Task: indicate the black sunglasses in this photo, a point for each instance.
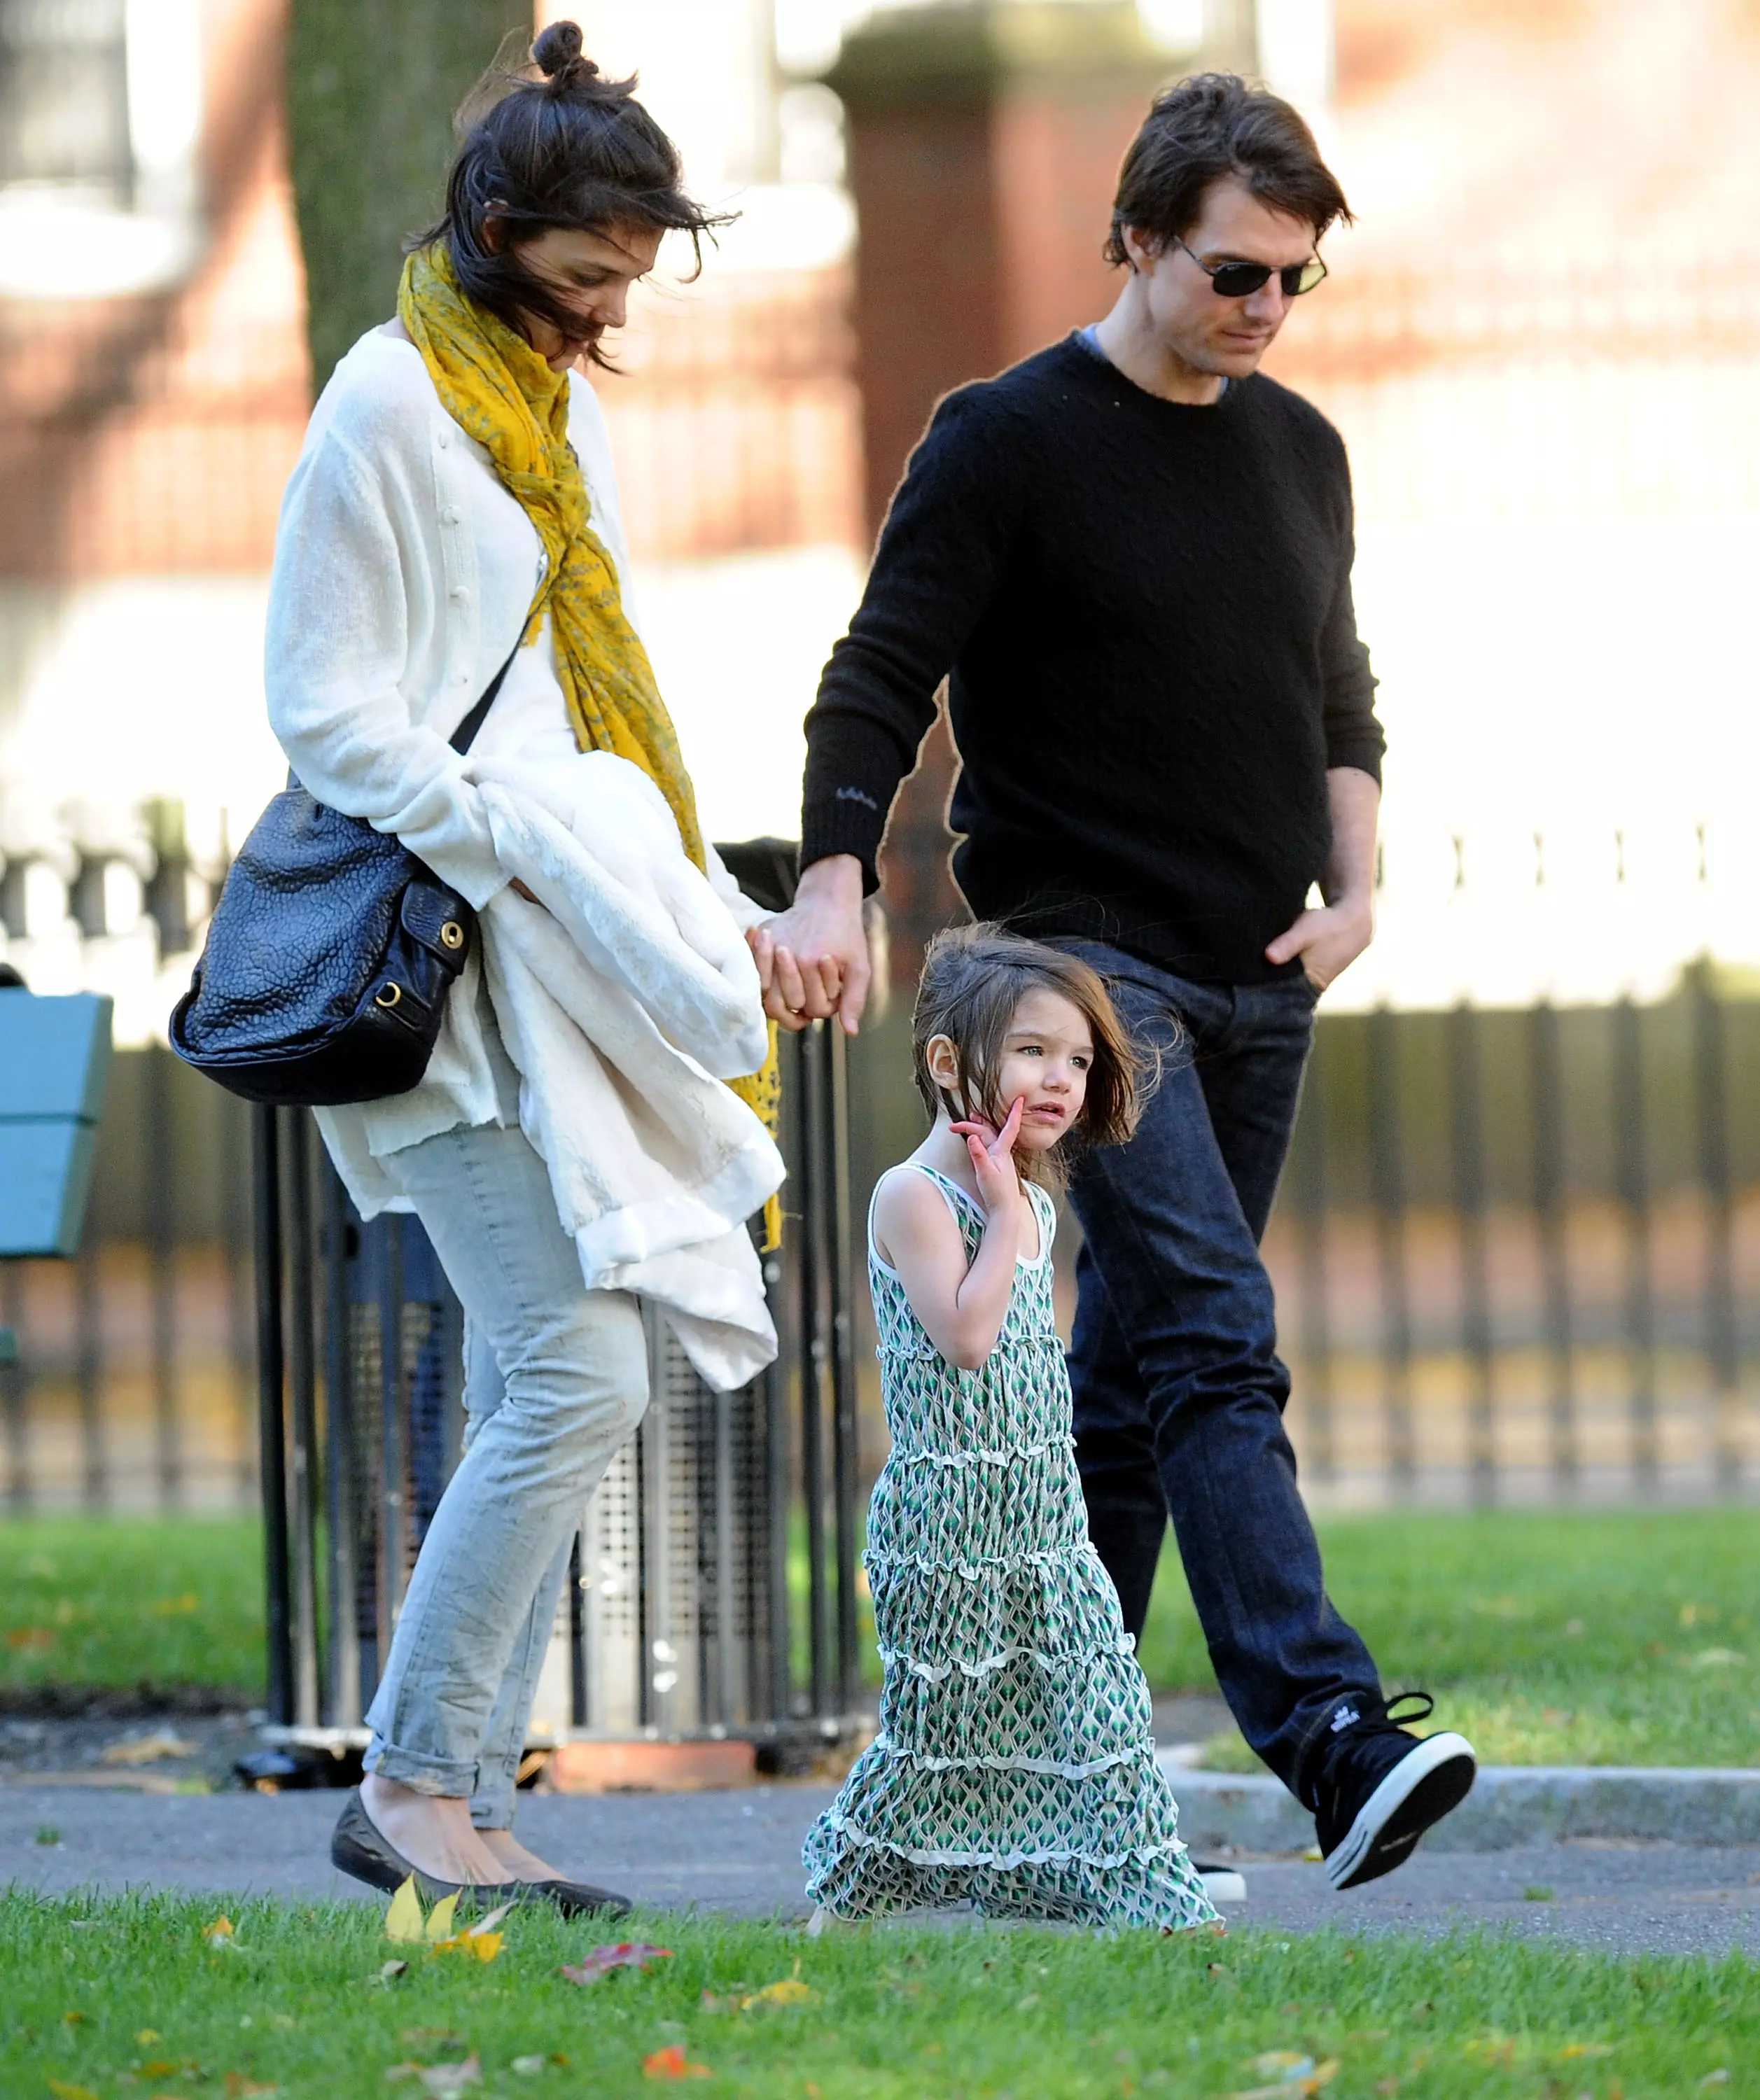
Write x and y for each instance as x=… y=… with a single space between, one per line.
x=1240 y=281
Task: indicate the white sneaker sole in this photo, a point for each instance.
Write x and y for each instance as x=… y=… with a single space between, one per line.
x=1427 y=1783
x=1222 y=1885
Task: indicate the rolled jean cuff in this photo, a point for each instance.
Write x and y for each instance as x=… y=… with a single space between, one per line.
x=432 y=1776
x=491 y=1810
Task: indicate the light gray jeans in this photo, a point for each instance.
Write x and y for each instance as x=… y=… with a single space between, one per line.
x=556 y=1379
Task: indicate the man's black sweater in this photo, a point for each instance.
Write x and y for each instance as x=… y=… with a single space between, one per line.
x=1145 y=608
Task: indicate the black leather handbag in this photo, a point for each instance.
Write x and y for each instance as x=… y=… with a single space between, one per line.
x=324 y=977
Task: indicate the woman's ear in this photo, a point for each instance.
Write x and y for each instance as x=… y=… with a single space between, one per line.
x=494 y=232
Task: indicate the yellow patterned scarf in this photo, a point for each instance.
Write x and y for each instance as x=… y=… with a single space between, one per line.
x=497 y=389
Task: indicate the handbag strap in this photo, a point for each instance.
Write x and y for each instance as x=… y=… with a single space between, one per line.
x=464 y=735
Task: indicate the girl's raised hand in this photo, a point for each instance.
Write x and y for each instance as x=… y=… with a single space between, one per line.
x=992 y=1151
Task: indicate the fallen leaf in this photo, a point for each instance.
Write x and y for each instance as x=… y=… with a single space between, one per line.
x=73 y=2020
x=159 y=2067
x=478 y=1946
x=1719 y=2077
x=27 y=1637
x=1285 y=2063
x=171 y=1608
x=599 y=1961
x=1299 y=2075
x=403 y=1921
x=792 y=1991
x=1584 y=2048
x=238 y=2087
x=528 y=2067
x=63 y=2091
x=147 y=2035
x=442 y=2080
x=220 y=1934
x=671 y=2063
x=389 y=1971
x=148 y=1749
x=439 y=1924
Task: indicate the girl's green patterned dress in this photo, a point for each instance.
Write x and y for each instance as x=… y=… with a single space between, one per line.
x=1014 y=1769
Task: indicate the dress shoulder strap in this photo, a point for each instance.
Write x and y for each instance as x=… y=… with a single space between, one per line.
x=951 y=1194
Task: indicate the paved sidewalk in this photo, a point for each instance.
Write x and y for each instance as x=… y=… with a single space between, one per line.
x=739 y=1852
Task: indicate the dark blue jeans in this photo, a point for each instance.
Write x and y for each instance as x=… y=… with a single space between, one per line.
x=1179 y=1388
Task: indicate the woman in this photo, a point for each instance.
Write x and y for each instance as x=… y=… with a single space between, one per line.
x=454 y=516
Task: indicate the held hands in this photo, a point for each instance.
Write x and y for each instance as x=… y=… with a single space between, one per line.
x=992 y=1155
x=813 y=959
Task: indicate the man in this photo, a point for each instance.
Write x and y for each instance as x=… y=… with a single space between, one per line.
x=1132 y=553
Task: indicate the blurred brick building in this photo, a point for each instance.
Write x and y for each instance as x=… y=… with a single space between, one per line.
x=1539 y=341
x=154 y=386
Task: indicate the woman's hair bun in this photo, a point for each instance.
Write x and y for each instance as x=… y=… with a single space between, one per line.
x=557 y=55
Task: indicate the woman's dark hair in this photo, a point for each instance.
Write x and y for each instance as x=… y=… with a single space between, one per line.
x=974 y=978
x=1205 y=130
x=570 y=149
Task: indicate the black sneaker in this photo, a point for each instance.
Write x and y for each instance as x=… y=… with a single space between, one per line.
x=1381 y=1789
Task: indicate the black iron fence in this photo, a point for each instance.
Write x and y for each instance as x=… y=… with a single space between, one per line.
x=714 y=1585
x=1517 y=1254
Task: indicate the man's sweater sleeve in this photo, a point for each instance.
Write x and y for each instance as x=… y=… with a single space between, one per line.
x=942 y=549
x=1354 y=736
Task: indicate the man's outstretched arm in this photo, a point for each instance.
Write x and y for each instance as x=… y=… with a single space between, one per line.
x=943 y=545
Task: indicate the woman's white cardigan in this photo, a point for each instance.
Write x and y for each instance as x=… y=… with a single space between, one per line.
x=403 y=570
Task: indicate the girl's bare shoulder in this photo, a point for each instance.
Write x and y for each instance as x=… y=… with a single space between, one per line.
x=910 y=1208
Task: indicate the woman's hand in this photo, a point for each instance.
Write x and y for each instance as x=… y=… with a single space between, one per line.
x=992 y=1154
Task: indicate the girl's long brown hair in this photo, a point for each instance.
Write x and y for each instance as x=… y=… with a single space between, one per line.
x=974 y=978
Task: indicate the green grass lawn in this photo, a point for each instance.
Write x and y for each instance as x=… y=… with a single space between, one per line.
x=128 y=1997
x=123 y=1601
x=1602 y=1638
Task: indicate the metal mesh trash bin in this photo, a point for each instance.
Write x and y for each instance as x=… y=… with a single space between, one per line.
x=678 y=1621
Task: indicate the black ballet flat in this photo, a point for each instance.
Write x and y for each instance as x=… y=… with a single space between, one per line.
x=580 y=1899
x=358 y=1847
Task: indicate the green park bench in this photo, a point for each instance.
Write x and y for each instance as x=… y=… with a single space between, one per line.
x=54 y=1065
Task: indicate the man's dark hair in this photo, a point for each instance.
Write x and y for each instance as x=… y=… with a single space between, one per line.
x=571 y=149
x=1205 y=130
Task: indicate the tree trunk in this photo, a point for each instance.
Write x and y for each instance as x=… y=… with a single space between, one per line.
x=372 y=86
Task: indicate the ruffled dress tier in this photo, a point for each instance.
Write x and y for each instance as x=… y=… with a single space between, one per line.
x=1014 y=1769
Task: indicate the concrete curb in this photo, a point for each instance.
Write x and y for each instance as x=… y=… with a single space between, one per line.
x=1509 y=1805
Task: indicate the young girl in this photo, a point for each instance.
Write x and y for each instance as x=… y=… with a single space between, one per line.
x=1014 y=1768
